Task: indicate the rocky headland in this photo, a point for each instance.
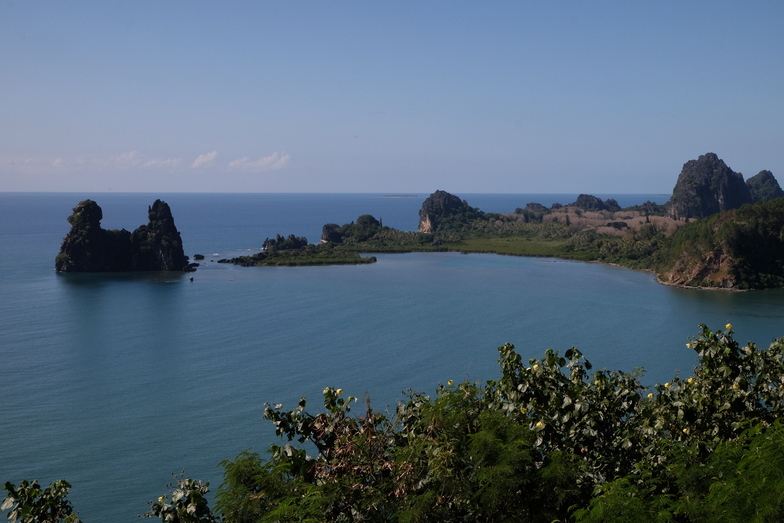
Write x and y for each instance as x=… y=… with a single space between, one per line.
x=737 y=249
x=716 y=231
x=156 y=246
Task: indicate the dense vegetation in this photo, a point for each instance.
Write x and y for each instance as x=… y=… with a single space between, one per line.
x=365 y=228
x=308 y=254
x=751 y=239
x=764 y=186
x=279 y=243
x=550 y=440
x=741 y=249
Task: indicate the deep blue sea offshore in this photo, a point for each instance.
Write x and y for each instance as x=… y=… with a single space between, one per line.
x=115 y=382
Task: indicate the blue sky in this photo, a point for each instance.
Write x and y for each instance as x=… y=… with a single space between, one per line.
x=350 y=96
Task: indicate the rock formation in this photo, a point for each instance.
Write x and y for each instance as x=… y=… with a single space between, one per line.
x=441 y=206
x=281 y=243
x=362 y=230
x=156 y=246
x=763 y=187
x=707 y=186
x=710 y=269
x=592 y=203
x=535 y=207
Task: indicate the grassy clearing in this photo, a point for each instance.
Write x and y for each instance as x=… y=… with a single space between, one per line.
x=518 y=246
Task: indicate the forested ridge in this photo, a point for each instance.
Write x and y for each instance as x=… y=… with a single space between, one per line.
x=550 y=440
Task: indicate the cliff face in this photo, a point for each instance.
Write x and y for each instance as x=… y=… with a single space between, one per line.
x=441 y=206
x=156 y=246
x=707 y=186
x=713 y=268
x=741 y=248
x=763 y=187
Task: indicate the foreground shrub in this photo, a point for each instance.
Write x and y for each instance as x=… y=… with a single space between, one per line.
x=549 y=440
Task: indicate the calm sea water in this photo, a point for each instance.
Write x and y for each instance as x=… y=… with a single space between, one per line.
x=114 y=382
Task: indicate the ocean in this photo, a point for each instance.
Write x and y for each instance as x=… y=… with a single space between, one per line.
x=115 y=382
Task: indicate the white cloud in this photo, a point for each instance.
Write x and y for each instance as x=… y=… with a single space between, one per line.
x=204 y=159
x=88 y=164
x=11 y=162
x=171 y=163
x=136 y=159
x=266 y=163
x=129 y=159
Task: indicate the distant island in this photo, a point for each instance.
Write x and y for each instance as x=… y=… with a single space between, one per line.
x=156 y=246
x=717 y=231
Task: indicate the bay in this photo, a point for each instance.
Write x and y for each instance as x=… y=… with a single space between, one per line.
x=114 y=382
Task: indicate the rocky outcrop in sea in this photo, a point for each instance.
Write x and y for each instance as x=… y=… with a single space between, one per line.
x=156 y=246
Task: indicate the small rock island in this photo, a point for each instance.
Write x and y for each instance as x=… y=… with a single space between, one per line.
x=156 y=246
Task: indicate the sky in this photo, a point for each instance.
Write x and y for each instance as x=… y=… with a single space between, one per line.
x=550 y=96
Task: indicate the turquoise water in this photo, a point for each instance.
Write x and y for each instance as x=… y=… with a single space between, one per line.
x=114 y=382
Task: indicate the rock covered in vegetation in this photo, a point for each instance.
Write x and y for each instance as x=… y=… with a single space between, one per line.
x=737 y=249
x=592 y=203
x=650 y=208
x=707 y=186
x=442 y=206
x=156 y=246
x=764 y=186
x=363 y=229
x=533 y=212
x=279 y=243
x=535 y=207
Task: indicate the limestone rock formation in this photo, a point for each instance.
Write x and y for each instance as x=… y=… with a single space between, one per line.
x=592 y=203
x=156 y=246
x=442 y=206
x=707 y=186
x=763 y=187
